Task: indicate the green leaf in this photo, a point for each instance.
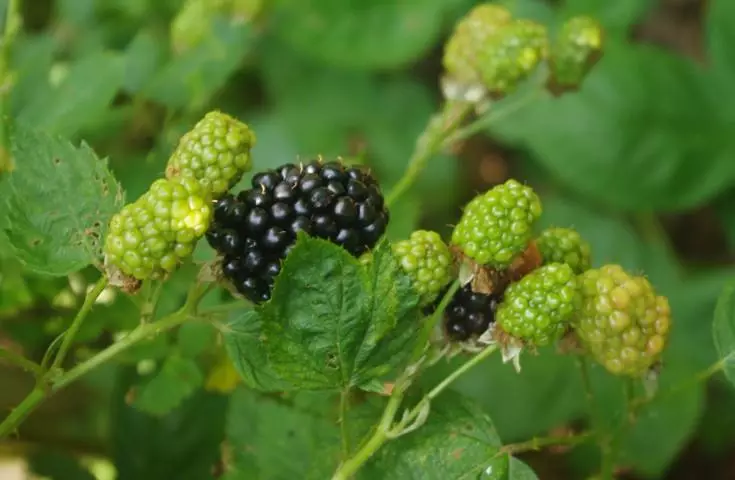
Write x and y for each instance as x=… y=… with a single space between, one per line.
x=184 y=444
x=285 y=437
x=616 y=17
x=332 y=323
x=195 y=338
x=457 y=441
x=188 y=81
x=639 y=150
x=84 y=94
x=720 y=31
x=58 y=202
x=177 y=380
x=520 y=471
x=362 y=33
x=56 y=465
x=664 y=427
x=143 y=58
x=723 y=329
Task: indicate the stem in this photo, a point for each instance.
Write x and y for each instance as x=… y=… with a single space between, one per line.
x=430 y=143
x=12 y=26
x=380 y=435
x=344 y=398
x=494 y=116
x=71 y=332
x=538 y=443
x=21 y=362
x=587 y=385
x=431 y=322
x=34 y=399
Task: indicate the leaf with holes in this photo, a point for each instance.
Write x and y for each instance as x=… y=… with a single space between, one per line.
x=57 y=202
x=333 y=323
x=724 y=330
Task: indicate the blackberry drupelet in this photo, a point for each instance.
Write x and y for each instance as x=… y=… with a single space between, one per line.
x=255 y=230
x=469 y=314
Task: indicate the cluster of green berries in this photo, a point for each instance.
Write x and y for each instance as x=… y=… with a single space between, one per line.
x=496 y=226
x=576 y=49
x=151 y=236
x=564 y=245
x=622 y=323
x=492 y=50
x=427 y=260
x=216 y=153
x=538 y=308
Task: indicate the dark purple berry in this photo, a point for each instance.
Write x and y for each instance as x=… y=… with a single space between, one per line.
x=321 y=198
x=357 y=190
x=222 y=208
x=312 y=168
x=257 y=221
x=267 y=180
x=333 y=171
x=310 y=182
x=302 y=207
x=366 y=214
x=255 y=198
x=337 y=188
x=230 y=242
x=272 y=269
x=301 y=224
x=348 y=238
x=345 y=211
x=253 y=260
x=284 y=193
x=324 y=226
x=281 y=213
x=231 y=267
x=275 y=238
x=457 y=330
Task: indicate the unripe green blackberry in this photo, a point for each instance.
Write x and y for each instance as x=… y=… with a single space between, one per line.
x=537 y=308
x=564 y=245
x=623 y=324
x=489 y=48
x=576 y=49
x=496 y=226
x=151 y=236
x=216 y=152
x=470 y=36
x=427 y=260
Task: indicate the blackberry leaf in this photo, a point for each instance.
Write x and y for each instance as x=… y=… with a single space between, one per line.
x=57 y=202
x=332 y=322
x=176 y=380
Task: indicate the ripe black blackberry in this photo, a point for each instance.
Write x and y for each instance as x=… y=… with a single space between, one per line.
x=255 y=230
x=468 y=313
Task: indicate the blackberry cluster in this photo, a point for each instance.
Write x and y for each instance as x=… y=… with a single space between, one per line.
x=564 y=245
x=255 y=230
x=577 y=48
x=428 y=262
x=469 y=313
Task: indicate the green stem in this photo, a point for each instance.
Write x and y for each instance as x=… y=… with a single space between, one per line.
x=429 y=144
x=143 y=331
x=494 y=116
x=537 y=443
x=21 y=361
x=381 y=433
x=76 y=324
x=12 y=26
x=344 y=399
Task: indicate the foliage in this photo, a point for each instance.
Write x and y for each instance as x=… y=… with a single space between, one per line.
x=341 y=373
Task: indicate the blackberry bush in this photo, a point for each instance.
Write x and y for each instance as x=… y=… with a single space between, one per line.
x=216 y=152
x=153 y=235
x=564 y=245
x=538 y=307
x=254 y=230
x=496 y=226
x=427 y=260
x=622 y=323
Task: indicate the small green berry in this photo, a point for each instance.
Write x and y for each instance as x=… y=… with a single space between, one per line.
x=538 y=307
x=576 y=49
x=623 y=324
x=215 y=153
x=427 y=261
x=564 y=245
x=496 y=226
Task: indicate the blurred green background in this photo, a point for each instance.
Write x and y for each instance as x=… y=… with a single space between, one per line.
x=641 y=161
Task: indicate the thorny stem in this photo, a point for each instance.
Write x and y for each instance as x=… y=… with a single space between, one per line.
x=537 y=443
x=21 y=362
x=76 y=324
x=48 y=386
x=12 y=26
